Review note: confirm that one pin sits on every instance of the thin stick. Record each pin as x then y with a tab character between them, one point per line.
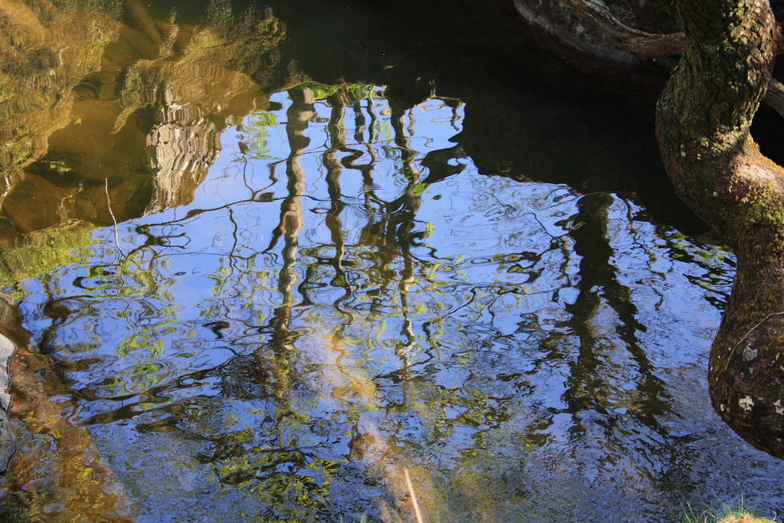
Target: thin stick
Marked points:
413	496
114	220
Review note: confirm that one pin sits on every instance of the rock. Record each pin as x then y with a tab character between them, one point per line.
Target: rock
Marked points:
7	439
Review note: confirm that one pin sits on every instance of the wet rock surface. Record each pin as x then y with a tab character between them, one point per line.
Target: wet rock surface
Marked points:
8	312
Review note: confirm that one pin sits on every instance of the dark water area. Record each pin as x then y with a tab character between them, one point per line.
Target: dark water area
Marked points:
274	262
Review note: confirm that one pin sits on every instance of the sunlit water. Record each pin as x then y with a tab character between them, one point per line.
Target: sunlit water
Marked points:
329	313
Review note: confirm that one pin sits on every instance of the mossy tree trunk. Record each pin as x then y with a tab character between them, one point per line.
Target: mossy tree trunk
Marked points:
703	121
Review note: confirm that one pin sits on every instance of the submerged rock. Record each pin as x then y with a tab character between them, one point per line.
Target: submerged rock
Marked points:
7	439
10	329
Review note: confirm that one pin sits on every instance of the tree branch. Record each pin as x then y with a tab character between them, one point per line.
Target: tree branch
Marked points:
629	39
650	45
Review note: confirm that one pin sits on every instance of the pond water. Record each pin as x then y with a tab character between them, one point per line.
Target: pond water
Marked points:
346	298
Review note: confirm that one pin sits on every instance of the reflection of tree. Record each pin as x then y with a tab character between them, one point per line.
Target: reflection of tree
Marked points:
289	227
275	369
342	352
337	142
392	231
598	282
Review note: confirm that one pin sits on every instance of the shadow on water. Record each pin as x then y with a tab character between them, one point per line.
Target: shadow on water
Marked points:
273	260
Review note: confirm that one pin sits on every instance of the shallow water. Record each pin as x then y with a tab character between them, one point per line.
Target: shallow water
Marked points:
347	297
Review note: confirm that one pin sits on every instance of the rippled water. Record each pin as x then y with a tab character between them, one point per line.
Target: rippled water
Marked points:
346	299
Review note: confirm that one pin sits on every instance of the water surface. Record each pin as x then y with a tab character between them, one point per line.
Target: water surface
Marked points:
340	294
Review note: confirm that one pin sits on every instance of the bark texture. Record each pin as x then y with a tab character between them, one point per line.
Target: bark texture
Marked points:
703	121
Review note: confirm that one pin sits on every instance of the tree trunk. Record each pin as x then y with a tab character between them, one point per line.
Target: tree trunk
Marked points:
703	121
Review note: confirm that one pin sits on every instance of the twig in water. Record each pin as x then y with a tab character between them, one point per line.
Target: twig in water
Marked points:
413	496
114	220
